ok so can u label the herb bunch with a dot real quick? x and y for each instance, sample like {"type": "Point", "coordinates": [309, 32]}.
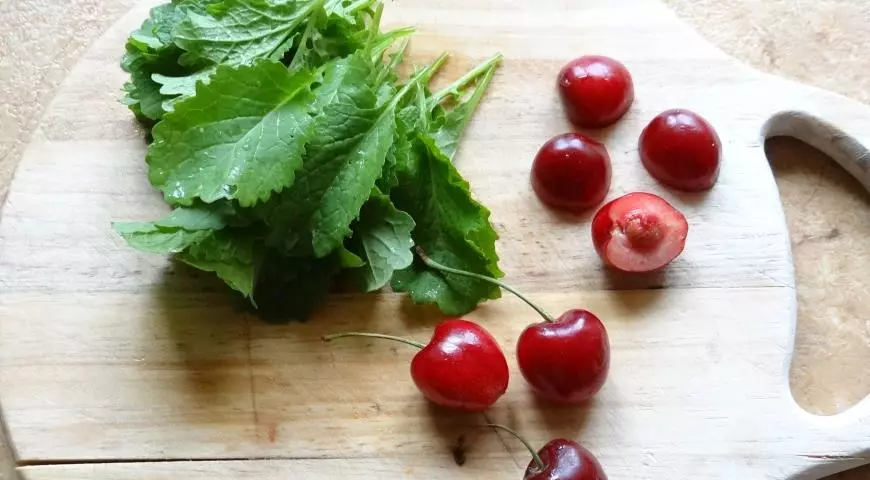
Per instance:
{"type": "Point", "coordinates": [293, 153]}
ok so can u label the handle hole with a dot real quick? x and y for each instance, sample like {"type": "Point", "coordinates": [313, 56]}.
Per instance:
{"type": "Point", "coordinates": [828, 215]}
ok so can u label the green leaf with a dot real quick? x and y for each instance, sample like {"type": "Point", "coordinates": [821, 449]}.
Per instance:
{"type": "Point", "coordinates": [452, 228]}
{"type": "Point", "coordinates": [346, 157]}
{"type": "Point", "coordinates": [184, 86]}
{"type": "Point", "coordinates": [289, 288]}
{"type": "Point", "coordinates": [179, 230]}
{"type": "Point", "coordinates": [382, 238]}
{"type": "Point", "coordinates": [328, 36]}
{"type": "Point", "coordinates": [347, 10]}
{"type": "Point", "coordinates": [336, 31]}
{"type": "Point", "coordinates": [234, 32]}
{"type": "Point", "coordinates": [399, 156]}
{"type": "Point", "coordinates": [229, 254]}
{"type": "Point", "coordinates": [199, 216]}
{"type": "Point", "coordinates": [449, 125]}
{"type": "Point", "coordinates": [241, 137]}
{"type": "Point", "coordinates": [150, 51]}
{"type": "Point", "coordinates": [349, 259]}
{"type": "Point", "coordinates": [151, 238]}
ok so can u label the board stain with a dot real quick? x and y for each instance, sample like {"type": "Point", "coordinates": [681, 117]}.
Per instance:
{"type": "Point", "coordinates": [459, 451]}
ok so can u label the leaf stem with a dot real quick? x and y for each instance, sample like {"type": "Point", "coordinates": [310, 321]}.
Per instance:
{"type": "Point", "coordinates": [356, 6]}
{"type": "Point", "coordinates": [415, 79]}
{"type": "Point", "coordinates": [395, 60]}
{"type": "Point", "coordinates": [406, 341]}
{"type": "Point", "coordinates": [307, 11]}
{"type": "Point", "coordinates": [399, 55]}
{"type": "Point", "coordinates": [538, 461]}
{"type": "Point", "coordinates": [437, 266]}
{"type": "Point", "coordinates": [465, 80]}
{"type": "Point", "coordinates": [375, 27]}
{"type": "Point", "coordinates": [303, 43]}
{"type": "Point", "coordinates": [435, 66]}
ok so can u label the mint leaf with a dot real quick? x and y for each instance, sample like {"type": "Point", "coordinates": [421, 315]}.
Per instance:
{"type": "Point", "coordinates": [346, 156]}
{"type": "Point", "coordinates": [229, 254]}
{"type": "Point", "coordinates": [452, 228]}
{"type": "Point", "coordinates": [241, 137]}
{"type": "Point", "coordinates": [234, 32]}
{"type": "Point", "coordinates": [382, 238]}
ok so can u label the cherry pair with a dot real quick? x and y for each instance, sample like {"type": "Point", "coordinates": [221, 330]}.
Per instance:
{"type": "Point", "coordinates": [564, 359]}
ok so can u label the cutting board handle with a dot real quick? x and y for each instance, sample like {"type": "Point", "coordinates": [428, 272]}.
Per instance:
{"type": "Point", "coordinates": [806, 119]}
{"type": "Point", "coordinates": [840, 442]}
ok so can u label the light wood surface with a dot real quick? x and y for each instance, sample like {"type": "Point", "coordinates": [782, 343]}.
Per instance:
{"type": "Point", "coordinates": [85, 317]}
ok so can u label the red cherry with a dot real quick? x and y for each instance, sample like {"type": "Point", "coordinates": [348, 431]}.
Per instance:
{"type": "Point", "coordinates": [595, 90]}
{"type": "Point", "coordinates": [559, 459]}
{"type": "Point", "coordinates": [566, 360]}
{"type": "Point", "coordinates": [462, 366]}
{"type": "Point", "coordinates": [571, 172]}
{"type": "Point", "coordinates": [639, 232]}
{"type": "Point", "coordinates": [565, 460]}
{"type": "Point", "coordinates": [682, 150]}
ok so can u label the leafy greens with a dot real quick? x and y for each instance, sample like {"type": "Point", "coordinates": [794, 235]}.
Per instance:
{"type": "Point", "coordinates": [293, 153]}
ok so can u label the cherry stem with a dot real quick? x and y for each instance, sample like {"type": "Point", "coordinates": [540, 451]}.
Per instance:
{"type": "Point", "coordinates": [437, 266]}
{"type": "Point", "coordinates": [406, 341]}
{"type": "Point", "coordinates": [535, 456]}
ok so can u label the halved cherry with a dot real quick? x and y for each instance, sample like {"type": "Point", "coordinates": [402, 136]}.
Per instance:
{"type": "Point", "coordinates": [682, 150]}
{"type": "Point", "coordinates": [571, 172]}
{"type": "Point", "coordinates": [639, 232]}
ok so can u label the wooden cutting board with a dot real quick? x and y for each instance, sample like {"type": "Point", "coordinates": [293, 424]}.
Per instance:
{"type": "Point", "coordinates": [120, 365]}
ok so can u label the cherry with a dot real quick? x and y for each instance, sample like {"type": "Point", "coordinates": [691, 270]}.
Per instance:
{"type": "Point", "coordinates": [571, 172]}
{"type": "Point", "coordinates": [595, 90]}
{"type": "Point", "coordinates": [565, 359]}
{"type": "Point", "coordinates": [462, 367]}
{"type": "Point", "coordinates": [639, 232]}
{"type": "Point", "coordinates": [681, 149]}
{"type": "Point", "coordinates": [559, 459]}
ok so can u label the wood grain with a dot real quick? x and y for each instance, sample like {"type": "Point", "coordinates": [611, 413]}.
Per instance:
{"type": "Point", "coordinates": [108, 150]}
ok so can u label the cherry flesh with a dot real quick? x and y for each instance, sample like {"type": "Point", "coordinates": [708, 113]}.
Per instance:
{"type": "Point", "coordinates": [639, 232]}
{"type": "Point", "coordinates": [571, 172]}
{"type": "Point", "coordinates": [565, 361]}
{"type": "Point", "coordinates": [596, 91]}
{"type": "Point", "coordinates": [565, 460]}
{"type": "Point", "coordinates": [462, 367]}
{"type": "Point", "coordinates": [682, 150]}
